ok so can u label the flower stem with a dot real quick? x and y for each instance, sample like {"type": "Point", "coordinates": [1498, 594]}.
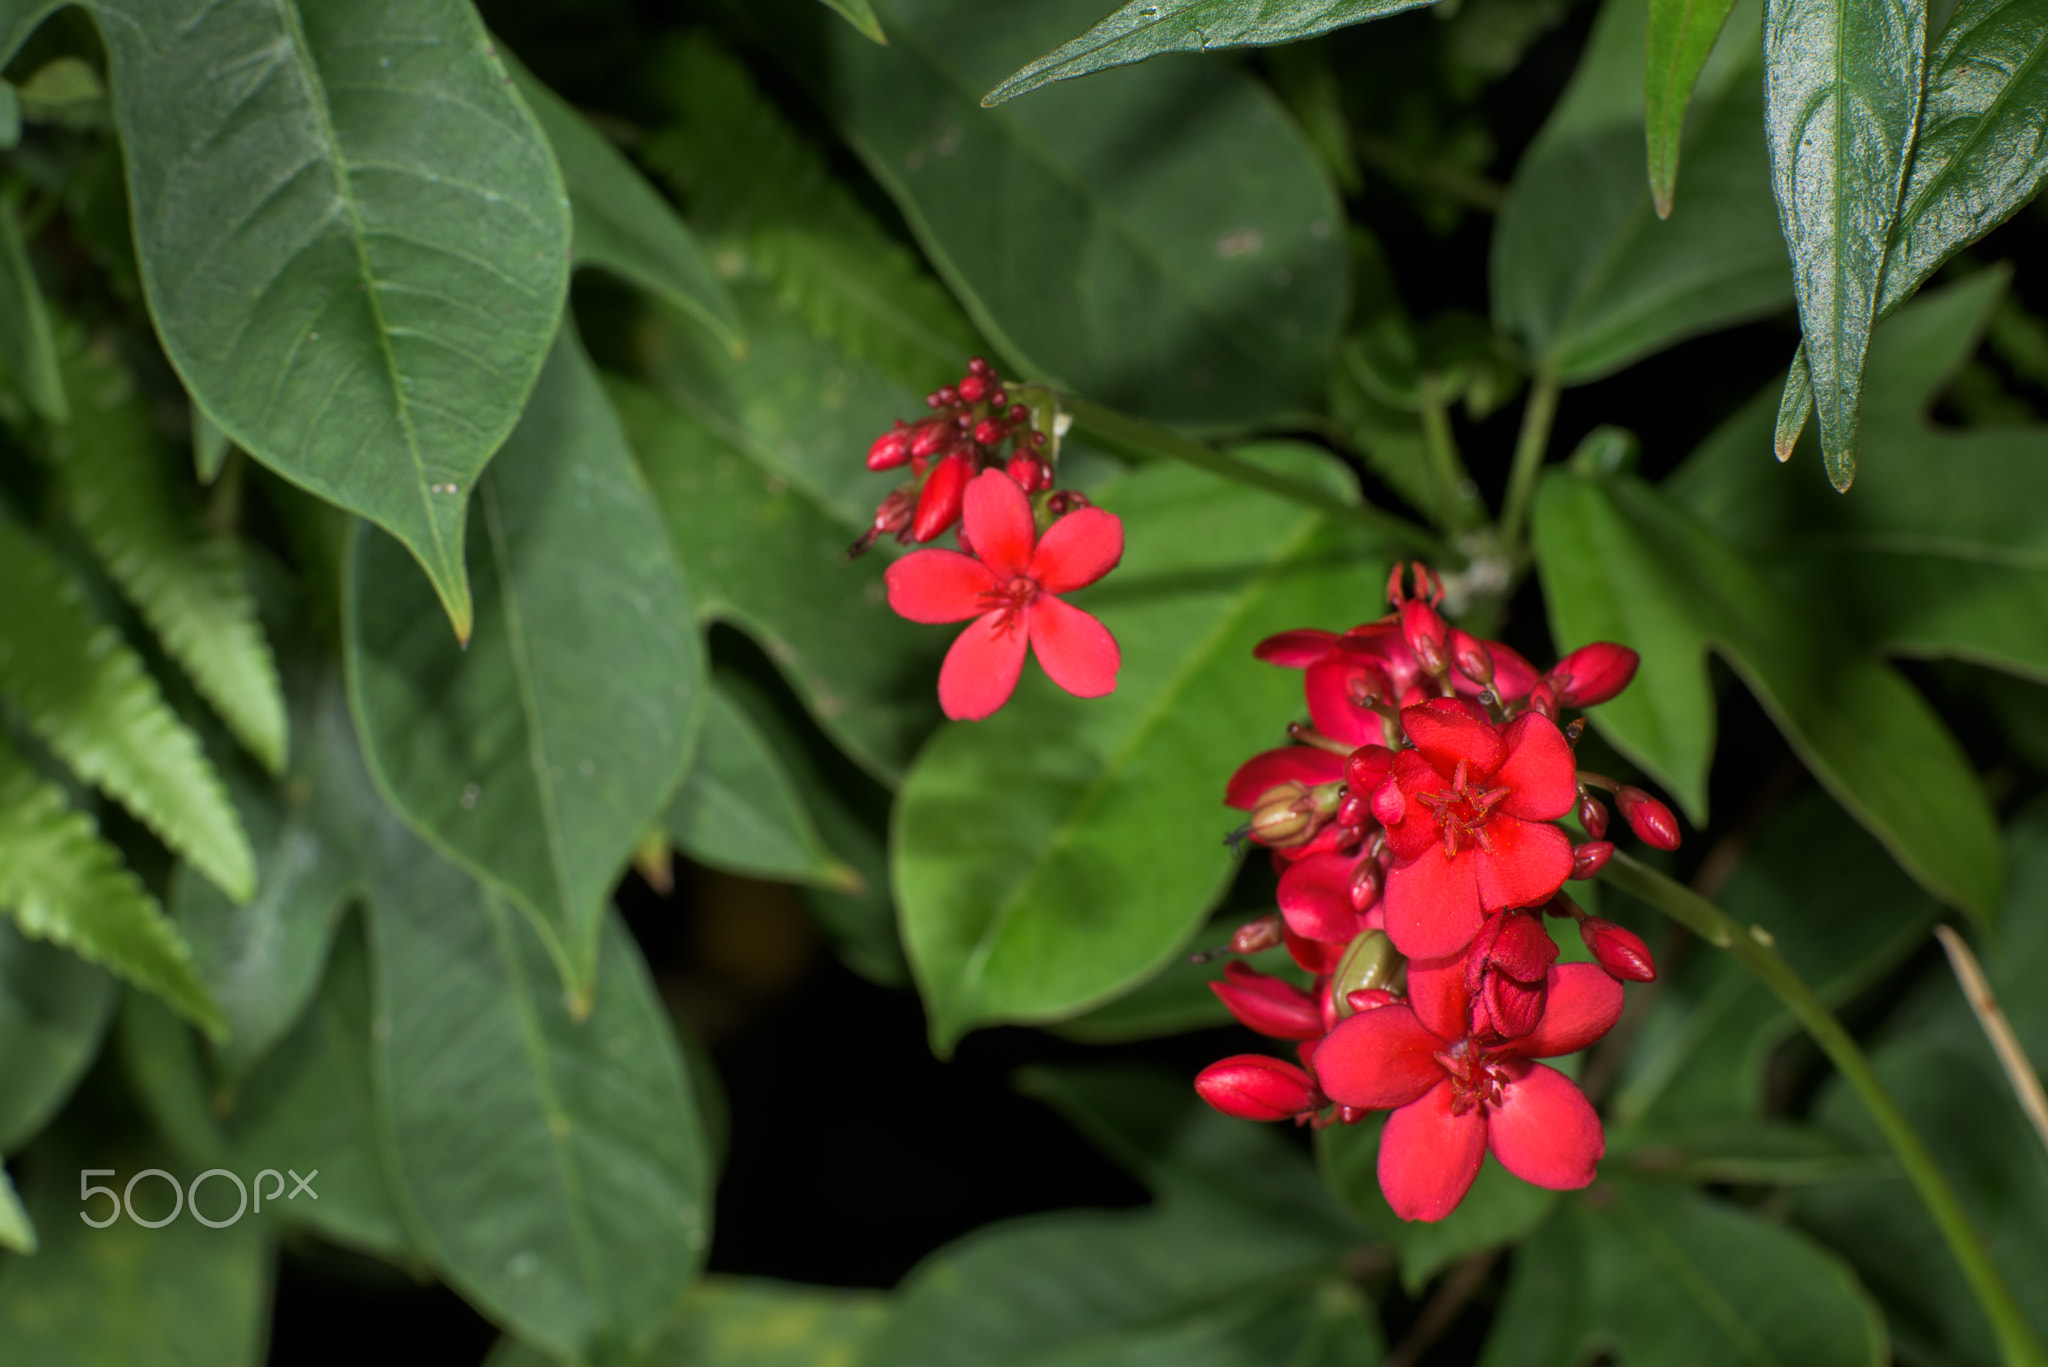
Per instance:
{"type": "Point", "coordinates": [1136, 439]}
{"type": "Point", "coordinates": [1457, 506]}
{"type": "Point", "coordinates": [1529, 451]}
{"type": "Point", "coordinates": [2017, 1342]}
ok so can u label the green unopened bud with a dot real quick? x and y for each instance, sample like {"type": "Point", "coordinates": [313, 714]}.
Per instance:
{"type": "Point", "coordinates": [1282, 816]}
{"type": "Point", "coordinates": [1370, 962]}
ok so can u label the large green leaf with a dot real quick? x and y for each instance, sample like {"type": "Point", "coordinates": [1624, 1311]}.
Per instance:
{"type": "Point", "coordinates": [767, 553]}
{"type": "Point", "coordinates": [1664, 1277]}
{"type": "Point", "coordinates": [135, 507]}
{"type": "Point", "coordinates": [1177, 999]}
{"type": "Point", "coordinates": [1842, 89]}
{"type": "Point", "coordinates": [53, 1010]}
{"type": "Point", "coordinates": [64, 884]}
{"type": "Point", "coordinates": [1681, 35]}
{"type": "Point", "coordinates": [17, 1231]}
{"type": "Point", "coordinates": [1145, 29]}
{"type": "Point", "coordinates": [1052, 856]}
{"type": "Point", "coordinates": [1583, 270]}
{"type": "Point", "coordinates": [751, 1322]}
{"type": "Point", "coordinates": [1942, 551]}
{"type": "Point", "coordinates": [1621, 562]}
{"type": "Point", "coordinates": [354, 241]}
{"type": "Point", "coordinates": [538, 754]}
{"type": "Point", "coordinates": [1195, 274]}
{"type": "Point", "coordinates": [92, 700]}
{"type": "Point", "coordinates": [28, 348]}
{"type": "Point", "coordinates": [554, 1168]}
{"type": "Point", "coordinates": [861, 15]}
{"type": "Point", "coordinates": [1932, 1057]}
{"type": "Point", "coordinates": [622, 224]}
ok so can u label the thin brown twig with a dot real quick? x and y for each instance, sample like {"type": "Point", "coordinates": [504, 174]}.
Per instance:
{"type": "Point", "coordinates": [1460, 1286]}
{"type": "Point", "coordinates": [2026, 1083]}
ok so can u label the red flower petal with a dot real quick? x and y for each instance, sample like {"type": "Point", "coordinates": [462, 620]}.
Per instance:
{"type": "Point", "coordinates": [1539, 770]}
{"type": "Point", "coordinates": [1077, 651]}
{"type": "Point", "coordinates": [1315, 897]}
{"type": "Point", "coordinates": [1429, 1156]}
{"type": "Point", "coordinates": [1378, 1059]}
{"type": "Point", "coordinates": [1410, 827]}
{"type": "Point", "coordinates": [1544, 1130]}
{"type": "Point", "coordinates": [1583, 1004]}
{"type": "Point", "coordinates": [1296, 649]}
{"type": "Point", "coordinates": [981, 669]}
{"type": "Point", "coordinates": [999, 524]}
{"type": "Point", "coordinates": [1528, 863]}
{"type": "Point", "coordinates": [938, 586]}
{"type": "Point", "coordinates": [1077, 550]}
{"type": "Point", "coordinates": [1438, 995]}
{"type": "Point", "coordinates": [1313, 956]}
{"type": "Point", "coordinates": [1304, 764]}
{"type": "Point", "coordinates": [1513, 675]}
{"type": "Point", "coordinates": [1270, 1006]}
{"type": "Point", "coordinates": [1447, 730]}
{"type": "Point", "coordinates": [1433, 902]}
{"type": "Point", "coordinates": [1328, 689]}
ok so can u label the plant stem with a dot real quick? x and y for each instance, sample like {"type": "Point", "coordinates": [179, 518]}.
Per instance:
{"type": "Point", "coordinates": [1136, 439]}
{"type": "Point", "coordinates": [1529, 450]}
{"type": "Point", "coordinates": [2017, 1342]}
{"type": "Point", "coordinates": [1456, 505]}
{"type": "Point", "coordinates": [2026, 1084]}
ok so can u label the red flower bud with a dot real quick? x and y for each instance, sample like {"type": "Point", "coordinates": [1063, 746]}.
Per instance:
{"type": "Point", "coordinates": [1543, 699]}
{"type": "Point", "coordinates": [1507, 972]}
{"type": "Point", "coordinates": [1618, 950]}
{"type": "Point", "coordinates": [891, 518]}
{"type": "Point", "coordinates": [1031, 473]}
{"type": "Point", "coordinates": [891, 449]}
{"type": "Point", "coordinates": [1255, 1087]}
{"type": "Point", "coordinates": [1369, 999]}
{"type": "Point", "coordinates": [938, 507]}
{"type": "Point", "coordinates": [929, 435]}
{"type": "Point", "coordinates": [1592, 813]}
{"type": "Point", "coordinates": [1268, 1005]}
{"type": "Point", "coordinates": [1254, 936]}
{"type": "Point", "coordinates": [974, 388]}
{"type": "Point", "coordinates": [1588, 859]}
{"type": "Point", "coordinates": [1366, 881]}
{"type": "Point", "coordinates": [1594, 673]}
{"type": "Point", "coordinates": [988, 432]}
{"type": "Point", "coordinates": [1365, 769]}
{"type": "Point", "coordinates": [1472, 657]}
{"type": "Point", "coordinates": [1427, 635]}
{"type": "Point", "coordinates": [1650, 819]}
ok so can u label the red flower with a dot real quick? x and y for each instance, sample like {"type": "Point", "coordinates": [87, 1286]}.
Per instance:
{"type": "Point", "coordinates": [1467, 813]}
{"type": "Point", "coordinates": [1008, 587]}
{"type": "Point", "coordinates": [1455, 1096]}
{"type": "Point", "coordinates": [1254, 1087]}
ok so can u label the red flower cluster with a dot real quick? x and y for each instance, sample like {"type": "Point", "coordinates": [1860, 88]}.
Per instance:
{"type": "Point", "coordinates": [1415, 830]}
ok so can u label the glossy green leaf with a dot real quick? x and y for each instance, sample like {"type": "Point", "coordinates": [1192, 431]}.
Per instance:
{"type": "Point", "coordinates": [539, 753]}
{"type": "Point", "coordinates": [1940, 553]}
{"type": "Point", "coordinates": [1795, 406]}
{"type": "Point", "coordinates": [767, 553]}
{"type": "Point", "coordinates": [553, 1168]}
{"type": "Point", "coordinates": [17, 1231]}
{"type": "Point", "coordinates": [751, 1322]}
{"type": "Point", "coordinates": [1933, 1057]}
{"type": "Point", "coordinates": [1177, 998]}
{"type": "Point", "coordinates": [126, 1296]}
{"type": "Point", "coordinates": [1681, 34]}
{"type": "Point", "coordinates": [1052, 856]}
{"type": "Point", "coordinates": [622, 224]}
{"type": "Point", "coordinates": [210, 447]}
{"type": "Point", "coordinates": [134, 506]}
{"type": "Point", "coordinates": [1842, 91]}
{"type": "Point", "coordinates": [1144, 29]}
{"type": "Point", "coordinates": [93, 702]}
{"type": "Point", "coordinates": [1664, 1277]}
{"type": "Point", "coordinates": [28, 348]}
{"type": "Point", "coordinates": [1620, 562]}
{"type": "Point", "coordinates": [54, 1009]}
{"type": "Point", "coordinates": [1583, 270]}
{"type": "Point", "coordinates": [62, 883]}
{"type": "Point", "coordinates": [861, 15]}
{"type": "Point", "coordinates": [356, 246]}
{"type": "Point", "coordinates": [1196, 277]}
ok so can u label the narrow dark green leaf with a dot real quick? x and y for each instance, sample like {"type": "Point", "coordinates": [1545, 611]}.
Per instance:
{"type": "Point", "coordinates": [1795, 406]}
{"type": "Point", "coordinates": [17, 1231]}
{"type": "Point", "coordinates": [10, 121]}
{"type": "Point", "coordinates": [1583, 270]}
{"type": "Point", "coordinates": [751, 1322]}
{"type": "Point", "coordinates": [538, 754]}
{"type": "Point", "coordinates": [28, 349]}
{"type": "Point", "coordinates": [622, 224]}
{"type": "Point", "coordinates": [1052, 856]}
{"type": "Point", "coordinates": [1842, 90]}
{"type": "Point", "coordinates": [54, 1008]}
{"type": "Point", "coordinates": [861, 15]}
{"type": "Point", "coordinates": [1620, 562]}
{"type": "Point", "coordinates": [1147, 29]}
{"type": "Point", "coordinates": [363, 296]}
{"type": "Point", "coordinates": [1681, 34]}
{"type": "Point", "coordinates": [1196, 276]}
{"type": "Point", "coordinates": [554, 1168]}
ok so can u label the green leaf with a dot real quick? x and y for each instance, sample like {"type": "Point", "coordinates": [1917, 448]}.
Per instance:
{"type": "Point", "coordinates": [539, 753]}
{"type": "Point", "coordinates": [28, 349]}
{"type": "Point", "coordinates": [861, 15]}
{"type": "Point", "coordinates": [1061, 851]}
{"type": "Point", "coordinates": [1620, 562]}
{"type": "Point", "coordinates": [1795, 405]}
{"type": "Point", "coordinates": [126, 1296]}
{"type": "Point", "coordinates": [1142, 30]}
{"type": "Point", "coordinates": [210, 447]}
{"type": "Point", "coordinates": [1842, 89]}
{"type": "Point", "coordinates": [767, 553]}
{"type": "Point", "coordinates": [622, 224]}
{"type": "Point", "coordinates": [1583, 270]}
{"type": "Point", "coordinates": [740, 811]}
{"type": "Point", "coordinates": [1664, 1277]}
{"type": "Point", "coordinates": [1176, 999]}
{"type": "Point", "coordinates": [19, 19]}
{"type": "Point", "coordinates": [1681, 34]}
{"type": "Point", "coordinates": [751, 1322]}
{"type": "Point", "coordinates": [140, 517]}
{"type": "Point", "coordinates": [554, 1168]}
{"type": "Point", "coordinates": [1197, 277]}
{"type": "Point", "coordinates": [363, 296]}
{"type": "Point", "coordinates": [64, 884]}
{"type": "Point", "coordinates": [54, 1008]}
{"type": "Point", "coordinates": [17, 1231]}
{"type": "Point", "coordinates": [10, 115]}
